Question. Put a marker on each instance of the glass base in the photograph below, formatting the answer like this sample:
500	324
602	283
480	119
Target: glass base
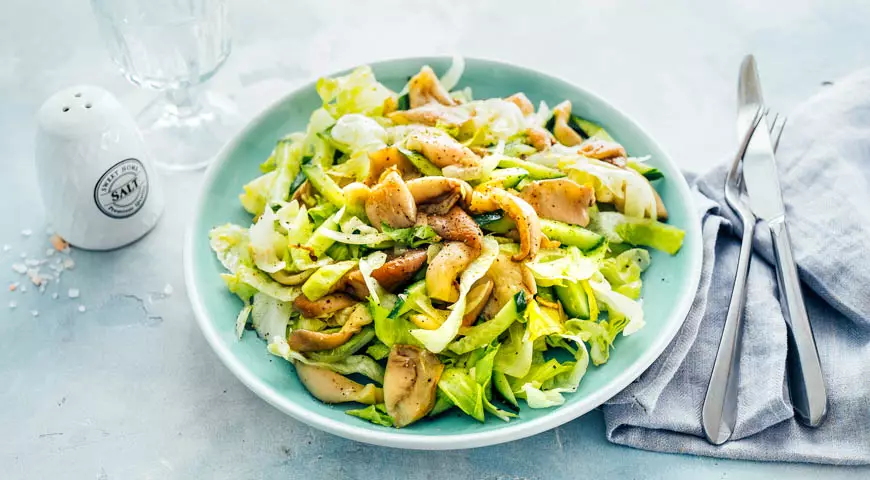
184	132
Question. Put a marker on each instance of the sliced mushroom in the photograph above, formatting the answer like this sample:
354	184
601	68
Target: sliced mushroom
386	158
391	203
441	191
324	306
540	138
477	298
311	341
457	226
563	132
425	88
394	273
560	199
331	387
526	218
441	149
603	150
441	282
410	383
511	277
430	115
522	101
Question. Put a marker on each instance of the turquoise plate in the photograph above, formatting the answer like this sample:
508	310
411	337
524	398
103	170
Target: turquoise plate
669	284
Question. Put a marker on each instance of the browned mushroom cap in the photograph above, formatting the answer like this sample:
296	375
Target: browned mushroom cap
511	277
441	149
311	341
410	383
441	276
603	150
564	133
330	387
560	199
439	194
477	298
382	160
391	203
393	274
430	115
323	306
425	88
518	210
457	226
540	138
522	101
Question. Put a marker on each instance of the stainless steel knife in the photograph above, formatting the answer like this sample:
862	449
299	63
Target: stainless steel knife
806	383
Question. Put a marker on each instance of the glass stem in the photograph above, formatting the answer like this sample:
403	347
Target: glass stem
184	100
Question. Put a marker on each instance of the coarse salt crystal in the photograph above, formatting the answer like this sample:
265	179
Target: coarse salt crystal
7	247
54	295
35	313
12	305
68	263
27	232
23	255
23	289
82	308
19	268
167	290
32	262
49	252
73	293
34	276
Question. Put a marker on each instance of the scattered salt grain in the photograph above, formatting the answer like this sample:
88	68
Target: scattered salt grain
19	268
12	305
35	313
82	308
23	289
49	231
23	255
58	243
54	296
73	293
30	262
68	263
167	290
7	247
49	252
27	232
34	276
42	288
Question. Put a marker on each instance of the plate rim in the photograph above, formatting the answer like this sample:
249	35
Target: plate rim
414	441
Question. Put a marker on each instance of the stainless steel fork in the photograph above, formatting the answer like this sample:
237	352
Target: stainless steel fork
719	414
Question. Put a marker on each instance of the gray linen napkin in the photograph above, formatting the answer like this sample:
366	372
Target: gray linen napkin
824	167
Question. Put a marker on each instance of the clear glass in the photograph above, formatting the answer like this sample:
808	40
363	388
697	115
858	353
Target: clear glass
172	46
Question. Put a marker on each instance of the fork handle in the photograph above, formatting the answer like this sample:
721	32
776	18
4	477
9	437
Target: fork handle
806	383
719	414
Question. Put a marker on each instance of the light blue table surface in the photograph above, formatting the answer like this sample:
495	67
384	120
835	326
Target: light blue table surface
129	389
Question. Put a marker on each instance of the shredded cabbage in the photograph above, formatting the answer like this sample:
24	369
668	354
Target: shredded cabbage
359	133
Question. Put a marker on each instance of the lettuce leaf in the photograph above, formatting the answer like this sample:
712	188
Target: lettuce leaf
437	340
359	133
461	388
270	316
268	246
542	321
514	358
230	244
357	92
376	414
359	364
487	332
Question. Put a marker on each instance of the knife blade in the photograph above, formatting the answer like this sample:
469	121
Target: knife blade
806	381
759	164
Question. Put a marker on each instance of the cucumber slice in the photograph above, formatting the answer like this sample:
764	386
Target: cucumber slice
537	172
322	281
324	184
651	173
574	300
588	129
573	235
422	163
509	177
640	231
495	222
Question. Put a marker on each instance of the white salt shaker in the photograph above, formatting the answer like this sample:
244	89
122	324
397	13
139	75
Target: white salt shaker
98	187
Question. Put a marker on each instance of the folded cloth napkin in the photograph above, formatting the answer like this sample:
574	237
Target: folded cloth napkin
824	168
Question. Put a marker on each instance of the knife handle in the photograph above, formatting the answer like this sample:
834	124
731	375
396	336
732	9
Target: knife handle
807	385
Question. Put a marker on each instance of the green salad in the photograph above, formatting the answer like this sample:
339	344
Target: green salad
421	251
